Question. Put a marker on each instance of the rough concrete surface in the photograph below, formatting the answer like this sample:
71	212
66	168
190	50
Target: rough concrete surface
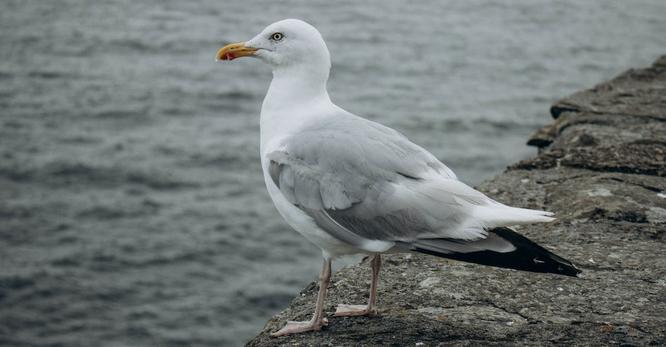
601	169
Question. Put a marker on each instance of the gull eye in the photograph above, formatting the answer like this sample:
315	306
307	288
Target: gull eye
277	37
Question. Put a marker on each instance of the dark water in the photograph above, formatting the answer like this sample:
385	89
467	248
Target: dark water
132	206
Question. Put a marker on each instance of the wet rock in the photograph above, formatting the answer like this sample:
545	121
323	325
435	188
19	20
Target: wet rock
602	170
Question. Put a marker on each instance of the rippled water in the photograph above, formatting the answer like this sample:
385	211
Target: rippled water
132	206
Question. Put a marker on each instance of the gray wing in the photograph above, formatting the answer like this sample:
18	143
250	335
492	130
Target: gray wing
361	181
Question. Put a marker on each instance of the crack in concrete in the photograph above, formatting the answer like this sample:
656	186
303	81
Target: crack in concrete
492	304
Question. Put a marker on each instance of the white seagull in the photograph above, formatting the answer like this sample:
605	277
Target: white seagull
353	186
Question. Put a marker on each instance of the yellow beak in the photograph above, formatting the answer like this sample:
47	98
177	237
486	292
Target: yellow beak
234	50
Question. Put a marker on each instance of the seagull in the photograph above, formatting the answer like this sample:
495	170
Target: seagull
353	186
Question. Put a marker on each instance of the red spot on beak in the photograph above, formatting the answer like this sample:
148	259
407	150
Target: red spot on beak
229	56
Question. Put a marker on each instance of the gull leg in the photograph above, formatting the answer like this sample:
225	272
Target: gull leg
369	309
318	320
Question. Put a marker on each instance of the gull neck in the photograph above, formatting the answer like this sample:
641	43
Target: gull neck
296	85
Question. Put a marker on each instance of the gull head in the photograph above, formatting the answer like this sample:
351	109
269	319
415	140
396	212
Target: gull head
284	44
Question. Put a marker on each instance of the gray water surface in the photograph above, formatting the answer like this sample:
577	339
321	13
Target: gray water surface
132	204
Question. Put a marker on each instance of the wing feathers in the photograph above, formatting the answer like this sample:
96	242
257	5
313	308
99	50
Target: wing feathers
521	254
382	190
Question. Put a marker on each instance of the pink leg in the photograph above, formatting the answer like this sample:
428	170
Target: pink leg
369	309
318	320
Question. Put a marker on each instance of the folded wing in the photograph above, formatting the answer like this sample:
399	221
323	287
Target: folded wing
369	186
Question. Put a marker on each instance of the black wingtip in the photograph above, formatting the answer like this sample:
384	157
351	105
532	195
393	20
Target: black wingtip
527	256
567	269
543	259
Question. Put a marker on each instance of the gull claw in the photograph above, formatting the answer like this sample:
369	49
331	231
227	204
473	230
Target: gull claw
344	310
295	327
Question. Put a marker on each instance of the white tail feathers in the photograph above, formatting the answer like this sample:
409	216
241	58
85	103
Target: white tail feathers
498	215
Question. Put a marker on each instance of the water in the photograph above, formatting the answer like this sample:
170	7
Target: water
132	206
